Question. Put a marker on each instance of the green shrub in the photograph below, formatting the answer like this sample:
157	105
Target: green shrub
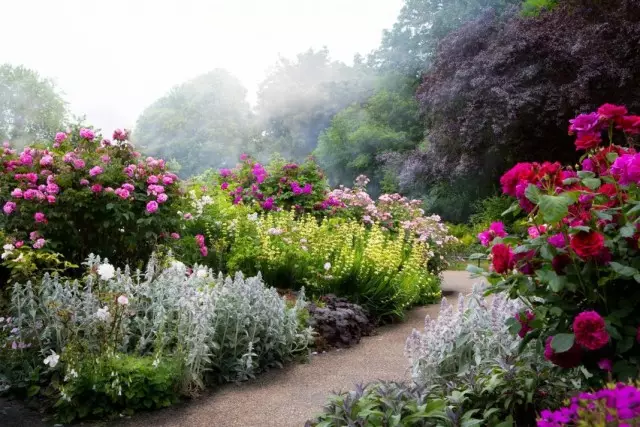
536	7
118	384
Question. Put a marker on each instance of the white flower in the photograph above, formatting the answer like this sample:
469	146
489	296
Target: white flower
177	265
327	266
156	362
253	216
201	273
20	258
106	271
123	300
304	248
275	231
303	240
8	247
52	359
103	314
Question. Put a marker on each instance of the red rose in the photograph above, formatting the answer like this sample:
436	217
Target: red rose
589	329
587	244
587	141
610	111
502	258
629	124
569	359
559	262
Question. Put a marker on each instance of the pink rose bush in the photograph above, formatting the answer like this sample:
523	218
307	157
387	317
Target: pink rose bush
578	266
76	196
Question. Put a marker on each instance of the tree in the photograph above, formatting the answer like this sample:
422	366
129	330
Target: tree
410	45
363	137
203	123
31	109
298	99
502	89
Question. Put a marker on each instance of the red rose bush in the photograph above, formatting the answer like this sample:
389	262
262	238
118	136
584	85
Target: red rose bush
578	268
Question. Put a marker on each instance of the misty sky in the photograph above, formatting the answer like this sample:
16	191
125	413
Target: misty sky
113	58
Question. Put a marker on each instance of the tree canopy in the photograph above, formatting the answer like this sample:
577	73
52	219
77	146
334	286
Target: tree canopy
203	123
31	108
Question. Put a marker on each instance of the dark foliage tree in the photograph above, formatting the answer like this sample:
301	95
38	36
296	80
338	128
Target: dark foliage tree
31	109
502	89
203	123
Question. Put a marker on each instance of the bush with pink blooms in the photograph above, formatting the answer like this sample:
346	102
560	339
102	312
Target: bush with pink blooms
577	269
280	185
82	194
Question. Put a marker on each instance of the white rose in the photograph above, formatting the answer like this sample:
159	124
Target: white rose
123	300
52	359
106	271
201	274
103	314
327	266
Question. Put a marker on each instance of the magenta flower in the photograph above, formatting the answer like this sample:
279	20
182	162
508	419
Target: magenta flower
204	251
585	123
225	172
19	244
39	244
605	364
78	163
152	180
627	168
224	185
175	236
268	204
51	199
152	206
95	171
9	207
46	160
84	182
60	137
558	240
259	173
307	189
162	198
496	229
52	188
244	156
17	193
96	188
123	193
40	217
128	187
105	159
34	235
87	134
26	158
200	239
30	194
167	180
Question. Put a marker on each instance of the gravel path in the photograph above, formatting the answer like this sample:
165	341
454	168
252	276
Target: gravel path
288	397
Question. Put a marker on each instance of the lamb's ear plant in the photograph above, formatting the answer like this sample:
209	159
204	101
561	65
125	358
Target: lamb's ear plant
204	328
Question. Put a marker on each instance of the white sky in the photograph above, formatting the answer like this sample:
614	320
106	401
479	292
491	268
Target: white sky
112	58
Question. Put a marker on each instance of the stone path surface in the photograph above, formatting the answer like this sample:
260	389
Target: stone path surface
288	397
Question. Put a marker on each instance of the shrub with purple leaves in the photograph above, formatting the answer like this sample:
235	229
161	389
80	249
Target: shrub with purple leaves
338	322
615	405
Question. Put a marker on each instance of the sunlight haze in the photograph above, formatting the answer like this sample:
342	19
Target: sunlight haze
112	59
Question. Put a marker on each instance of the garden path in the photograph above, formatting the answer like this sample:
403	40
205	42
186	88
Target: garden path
285	397
288	397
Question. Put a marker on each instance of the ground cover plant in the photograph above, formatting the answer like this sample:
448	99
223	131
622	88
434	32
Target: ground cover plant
122	341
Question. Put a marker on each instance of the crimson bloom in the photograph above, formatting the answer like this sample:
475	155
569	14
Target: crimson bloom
569	359
502	258
590	331
610	111
587	245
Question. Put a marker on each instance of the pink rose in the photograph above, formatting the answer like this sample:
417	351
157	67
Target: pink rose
26	158
39	243
40	217
46	160
128	187
175	236
105	158
30	194
167	180
96	170
19	244
152	206
96	188
17	193
60	137
162	198
87	134
52	188
84	182
78	163
122	193
109	190
51	199
152	179
9	207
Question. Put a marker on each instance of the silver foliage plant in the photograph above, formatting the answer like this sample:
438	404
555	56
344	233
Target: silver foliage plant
463	339
228	327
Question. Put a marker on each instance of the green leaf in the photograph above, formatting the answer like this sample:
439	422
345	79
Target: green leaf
569	181
592	183
586	174
628	230
634	209
474	269
612	157
514	208
623	270
532	193
554	208
562	342
556	282
33	390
